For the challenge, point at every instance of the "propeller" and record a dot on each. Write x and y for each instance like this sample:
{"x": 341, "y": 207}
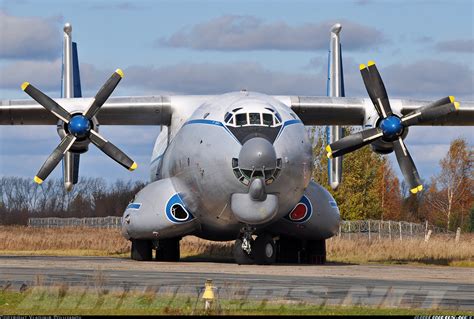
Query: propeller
{"x": 391, "y": 127}
{"x": 78, "y": 126}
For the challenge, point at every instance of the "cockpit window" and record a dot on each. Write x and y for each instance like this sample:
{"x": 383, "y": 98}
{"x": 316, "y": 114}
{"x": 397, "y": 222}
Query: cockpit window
{"x": 267, "y": 119}
{"x": 255, "y": 118}
{"x": 278, "y": 118}
{"x": 238, "y": 117}
{"x": 241, "y": 119}
{"x": 227, "y": 117}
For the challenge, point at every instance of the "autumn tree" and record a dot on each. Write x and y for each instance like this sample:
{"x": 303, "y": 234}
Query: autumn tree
{"x": 369, "y": 188}
{"x": 389, "y": 193}
{"x": 451, "y": 193}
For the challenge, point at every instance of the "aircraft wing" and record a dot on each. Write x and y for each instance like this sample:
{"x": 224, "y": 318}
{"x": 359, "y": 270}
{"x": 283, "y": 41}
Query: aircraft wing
{"x": 157, "y": 110}
{"x": 315, "y": 110}
{"x": 144, "y": 110}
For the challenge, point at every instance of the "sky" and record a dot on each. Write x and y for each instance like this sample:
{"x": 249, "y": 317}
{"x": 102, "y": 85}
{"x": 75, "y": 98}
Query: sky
{"x": 424, "y": 49}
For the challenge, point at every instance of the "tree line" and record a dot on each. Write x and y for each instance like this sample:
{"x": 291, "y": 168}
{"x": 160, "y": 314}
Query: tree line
{"x": 21, "y": 198}
{"x": 371, "y": 190}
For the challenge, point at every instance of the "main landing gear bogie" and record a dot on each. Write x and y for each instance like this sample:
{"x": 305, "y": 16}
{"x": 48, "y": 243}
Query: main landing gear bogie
{"x": 166, "y": 249}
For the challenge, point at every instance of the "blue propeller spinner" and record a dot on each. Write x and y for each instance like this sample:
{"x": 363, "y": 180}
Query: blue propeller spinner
{"x": 79, "y": 125}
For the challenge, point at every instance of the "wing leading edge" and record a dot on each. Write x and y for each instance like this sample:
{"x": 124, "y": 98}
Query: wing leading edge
{"x": 141, "y": 110}
{"x": 314, "y": 110}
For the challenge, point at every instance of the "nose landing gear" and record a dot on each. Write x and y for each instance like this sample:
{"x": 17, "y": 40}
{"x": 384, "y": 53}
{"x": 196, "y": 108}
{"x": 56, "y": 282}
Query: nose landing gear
{"x": 260, "y": 251}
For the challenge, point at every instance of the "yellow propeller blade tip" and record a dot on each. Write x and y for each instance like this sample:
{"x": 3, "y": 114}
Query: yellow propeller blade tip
{"x": 38, "y": 180}
{"x": 119, "y": 72}
{"x": 457, "y": 105}
{"x": 362, "y": 66}
{"x": 329, "y": 150}
{"x": 371, "y": 63}
{"x": 417, "y": 189}
{"x": 451, "y": 99}
{"x": 24, "y": 85}
{"x": 133, "y": 167}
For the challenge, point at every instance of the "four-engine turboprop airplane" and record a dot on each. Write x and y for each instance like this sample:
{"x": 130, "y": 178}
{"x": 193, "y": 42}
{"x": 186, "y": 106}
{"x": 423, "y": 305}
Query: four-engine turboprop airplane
{"x": 232, "y": 166}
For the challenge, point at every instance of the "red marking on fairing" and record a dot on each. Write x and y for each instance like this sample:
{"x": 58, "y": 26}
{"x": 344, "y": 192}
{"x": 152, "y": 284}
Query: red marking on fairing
{"x": 299, "y": 212}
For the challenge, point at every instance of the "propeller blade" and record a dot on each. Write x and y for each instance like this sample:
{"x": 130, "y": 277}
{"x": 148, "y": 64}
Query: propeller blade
{"x": 353, "y": 142}
{"x": 54, "y": 158}
{"x": 103, "y": 94}
{"x": 407, "y": 166}
{"x": 112, "y": 151}
{"x": 431, "y": 112}
{"x": 47, "y": 102}
{"x": 364, "y": 71}
{"x": 376, "y": 89}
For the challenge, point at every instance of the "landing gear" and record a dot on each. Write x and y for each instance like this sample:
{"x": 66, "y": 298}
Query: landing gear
{"x": 264, "y": 250}
{"x": 297, "y": 251}
{"x": 259, "y": 251}
{"x": 240, "y": 255}
{"x": 141, "y": 250}
{"x": 168, "y": 249}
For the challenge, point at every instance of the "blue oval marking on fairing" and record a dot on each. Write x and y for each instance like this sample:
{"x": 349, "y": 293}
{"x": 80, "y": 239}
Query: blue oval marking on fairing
{"x": 305, "y": 201}
{"x": 176, "y": 200}
{"x": 333, "y": 203}
{"x": 134, "y": 206}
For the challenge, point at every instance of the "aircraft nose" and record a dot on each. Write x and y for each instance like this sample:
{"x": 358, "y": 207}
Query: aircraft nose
{"x": 257, "y": 154}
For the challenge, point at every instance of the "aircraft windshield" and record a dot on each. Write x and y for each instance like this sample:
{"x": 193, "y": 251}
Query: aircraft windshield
{"x": 268, "y": 118}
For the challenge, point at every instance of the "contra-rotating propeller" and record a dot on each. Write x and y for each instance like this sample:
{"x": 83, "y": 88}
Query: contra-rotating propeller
{"x": 391, "y": 127}
{"x": 78, "y": 126}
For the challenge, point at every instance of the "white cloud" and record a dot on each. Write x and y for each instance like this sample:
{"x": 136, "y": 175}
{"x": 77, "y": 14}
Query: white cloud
{"x": 29, "y": 37}
{"x": 234, "y": 33}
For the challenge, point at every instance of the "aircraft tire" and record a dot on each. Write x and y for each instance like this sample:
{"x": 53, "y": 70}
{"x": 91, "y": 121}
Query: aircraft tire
{"x": 264, "y": 250}
{"x": 240, "y": 256}
{"x": 168, "y": 250}
{"x": 141, "y": 250}
{"x": 289, "y": 250}
{"x": 316, "y": 252}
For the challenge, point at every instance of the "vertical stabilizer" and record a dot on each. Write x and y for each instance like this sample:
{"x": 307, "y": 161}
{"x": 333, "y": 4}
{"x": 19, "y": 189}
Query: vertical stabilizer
{"x": 71, "y": 87}
{"x": 335, "y": 88}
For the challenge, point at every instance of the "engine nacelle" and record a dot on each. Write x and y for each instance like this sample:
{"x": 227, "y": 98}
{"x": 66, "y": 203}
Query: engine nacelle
{"x": 315, "y": 217}
{"x": 157, "y": 212}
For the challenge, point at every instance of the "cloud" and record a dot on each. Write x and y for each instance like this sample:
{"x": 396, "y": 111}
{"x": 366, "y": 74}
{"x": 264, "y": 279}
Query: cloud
{"x": 238, "y": 33}
{"x": 211, "y": 78}
{"x": 428, "y": 79}
{"x": 45, "y": 75}
{"x": 29, "y": 37}
{"x": 456, "y": 46}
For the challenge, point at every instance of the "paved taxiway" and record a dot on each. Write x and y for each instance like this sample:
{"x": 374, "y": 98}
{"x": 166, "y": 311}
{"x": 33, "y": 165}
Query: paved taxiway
{"x": 375, "y": 285}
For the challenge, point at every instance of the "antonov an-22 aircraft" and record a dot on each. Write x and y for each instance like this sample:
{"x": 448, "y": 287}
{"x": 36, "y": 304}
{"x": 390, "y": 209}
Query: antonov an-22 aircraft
{"x": 235, "y": 166}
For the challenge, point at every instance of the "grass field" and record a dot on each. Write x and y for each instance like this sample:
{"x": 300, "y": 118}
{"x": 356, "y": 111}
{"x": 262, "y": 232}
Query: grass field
{"x": 62, "y": 300}
{"x": 440, "y": 250}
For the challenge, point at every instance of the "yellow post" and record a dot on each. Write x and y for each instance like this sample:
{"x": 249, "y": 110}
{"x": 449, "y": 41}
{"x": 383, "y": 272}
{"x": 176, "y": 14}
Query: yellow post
{"x": 208, "y": 294}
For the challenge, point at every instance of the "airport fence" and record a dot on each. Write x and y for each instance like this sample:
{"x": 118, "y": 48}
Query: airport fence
{"x": 378, "y": 229}
{"x": 372, "y": 229}
{"x": 93, "y": 222}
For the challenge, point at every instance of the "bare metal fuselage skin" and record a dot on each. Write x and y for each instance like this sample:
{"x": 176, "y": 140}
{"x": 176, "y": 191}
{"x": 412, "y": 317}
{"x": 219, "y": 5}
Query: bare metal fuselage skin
{"x": 197, "y": 167}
